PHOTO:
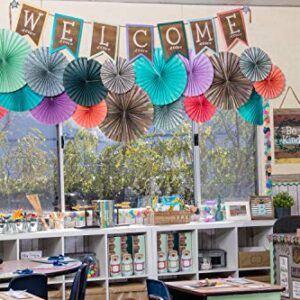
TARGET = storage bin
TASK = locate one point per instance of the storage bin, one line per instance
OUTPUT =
(128, 291)
(91, 293)
(254, 259)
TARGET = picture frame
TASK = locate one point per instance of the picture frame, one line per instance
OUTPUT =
(261, 208)
(237, 210)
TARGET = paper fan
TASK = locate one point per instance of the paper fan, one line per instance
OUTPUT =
(164, 81)
(44, 71)
(200, 74)
(230, 89)
(83, 83)
(252, 110)
(199, 109)
(169, 116)
(21, 100)
(118, 77)
(273, 85)
(89, 117)
(13, 50)
(54, 110)
(129, 115)
(255, 64)
(3, 112)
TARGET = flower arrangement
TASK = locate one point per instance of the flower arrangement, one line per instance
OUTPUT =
(283, 199)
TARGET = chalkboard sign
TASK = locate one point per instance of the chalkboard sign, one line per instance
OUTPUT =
(287, 135)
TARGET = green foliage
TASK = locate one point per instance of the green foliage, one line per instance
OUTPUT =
(283, 199)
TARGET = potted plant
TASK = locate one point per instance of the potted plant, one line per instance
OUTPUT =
(283, 202)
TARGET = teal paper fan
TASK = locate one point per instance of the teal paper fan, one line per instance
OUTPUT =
(82, 82)
(23, 99)
(252, 110)
(164, 81)
(13, 50)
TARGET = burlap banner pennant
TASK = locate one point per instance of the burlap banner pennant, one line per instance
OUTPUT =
(66, 34)
(104, 40)
(233, 27)
(173, 39)
(32, 22)
(139, 41)
(204, 35)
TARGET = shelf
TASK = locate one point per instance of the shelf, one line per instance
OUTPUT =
(217, 270)
(99, 278)
(175, 274)
(129, 277)
(254, 269)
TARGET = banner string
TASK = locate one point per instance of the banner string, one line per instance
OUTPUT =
(284, 98)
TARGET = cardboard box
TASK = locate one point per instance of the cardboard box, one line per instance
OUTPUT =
(132, 291)
(91, 293)
(254, 259)
(260, 278)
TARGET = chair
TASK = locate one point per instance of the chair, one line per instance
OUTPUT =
(80, 280)
(157, 290)
(287, 225)
(35, 284)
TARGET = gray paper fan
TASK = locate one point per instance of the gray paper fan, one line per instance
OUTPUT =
(169, 116)
(44, 71)
(255, 64)
(118, 77)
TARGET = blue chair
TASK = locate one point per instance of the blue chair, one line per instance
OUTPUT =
(157, 290)
(35, 284)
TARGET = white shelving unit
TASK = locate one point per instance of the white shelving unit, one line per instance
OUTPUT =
(224, 235)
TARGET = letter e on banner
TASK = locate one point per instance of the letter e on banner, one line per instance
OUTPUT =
(31, 22)
(233, 27)
(139, 41)
(173, 39)
(104, 40)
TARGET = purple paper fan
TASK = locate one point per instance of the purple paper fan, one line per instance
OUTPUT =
(54, 110)
(200, 74)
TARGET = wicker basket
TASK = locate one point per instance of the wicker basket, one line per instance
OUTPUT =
(172, 217)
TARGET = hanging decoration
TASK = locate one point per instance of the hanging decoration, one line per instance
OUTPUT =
(104, 40)
(199, 109)
(44, 71)
(66, 34)
(3, 112)
(83, 83)
(233, 27)
(129, 115)
(90, 116)
(200, 74)
(255, 64)
(13, 50)
(54, 110)
(32, 21)
(118, 77)
(164, 81)
(252, 110)
(204, 35)
(23, 99)
(139, 41)
(273, 85)
(169, 116)
(173, 39)
(230, 89)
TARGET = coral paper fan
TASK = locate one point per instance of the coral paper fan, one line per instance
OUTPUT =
(169, 116)
(83, 83)
(164, 81)
(54, 110)
(199, 109)
(13, 50)
(273, 85)
(129, 115)
(252, 110)
(200, 74)
(230, 89)
(44, 71)
(90, 116)
(3, 112)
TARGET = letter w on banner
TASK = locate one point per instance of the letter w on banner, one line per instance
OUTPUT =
(66, 34)
(31, 22)
(233, 27)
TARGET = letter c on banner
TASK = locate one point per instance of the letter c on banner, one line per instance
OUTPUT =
(136, 41)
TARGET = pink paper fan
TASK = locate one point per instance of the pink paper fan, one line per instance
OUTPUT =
(3, 112)
(200, 73)
(199, 109)
(54, 110)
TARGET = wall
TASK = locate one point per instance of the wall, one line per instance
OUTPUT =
(273, 29)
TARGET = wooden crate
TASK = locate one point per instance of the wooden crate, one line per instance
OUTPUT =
(172, 217)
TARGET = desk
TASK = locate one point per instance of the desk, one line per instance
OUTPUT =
(189, 290)
(4, 296)
(8, 268)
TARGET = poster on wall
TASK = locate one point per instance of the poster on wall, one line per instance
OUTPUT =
(286, 135)
(296, 289)
(284, 275)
